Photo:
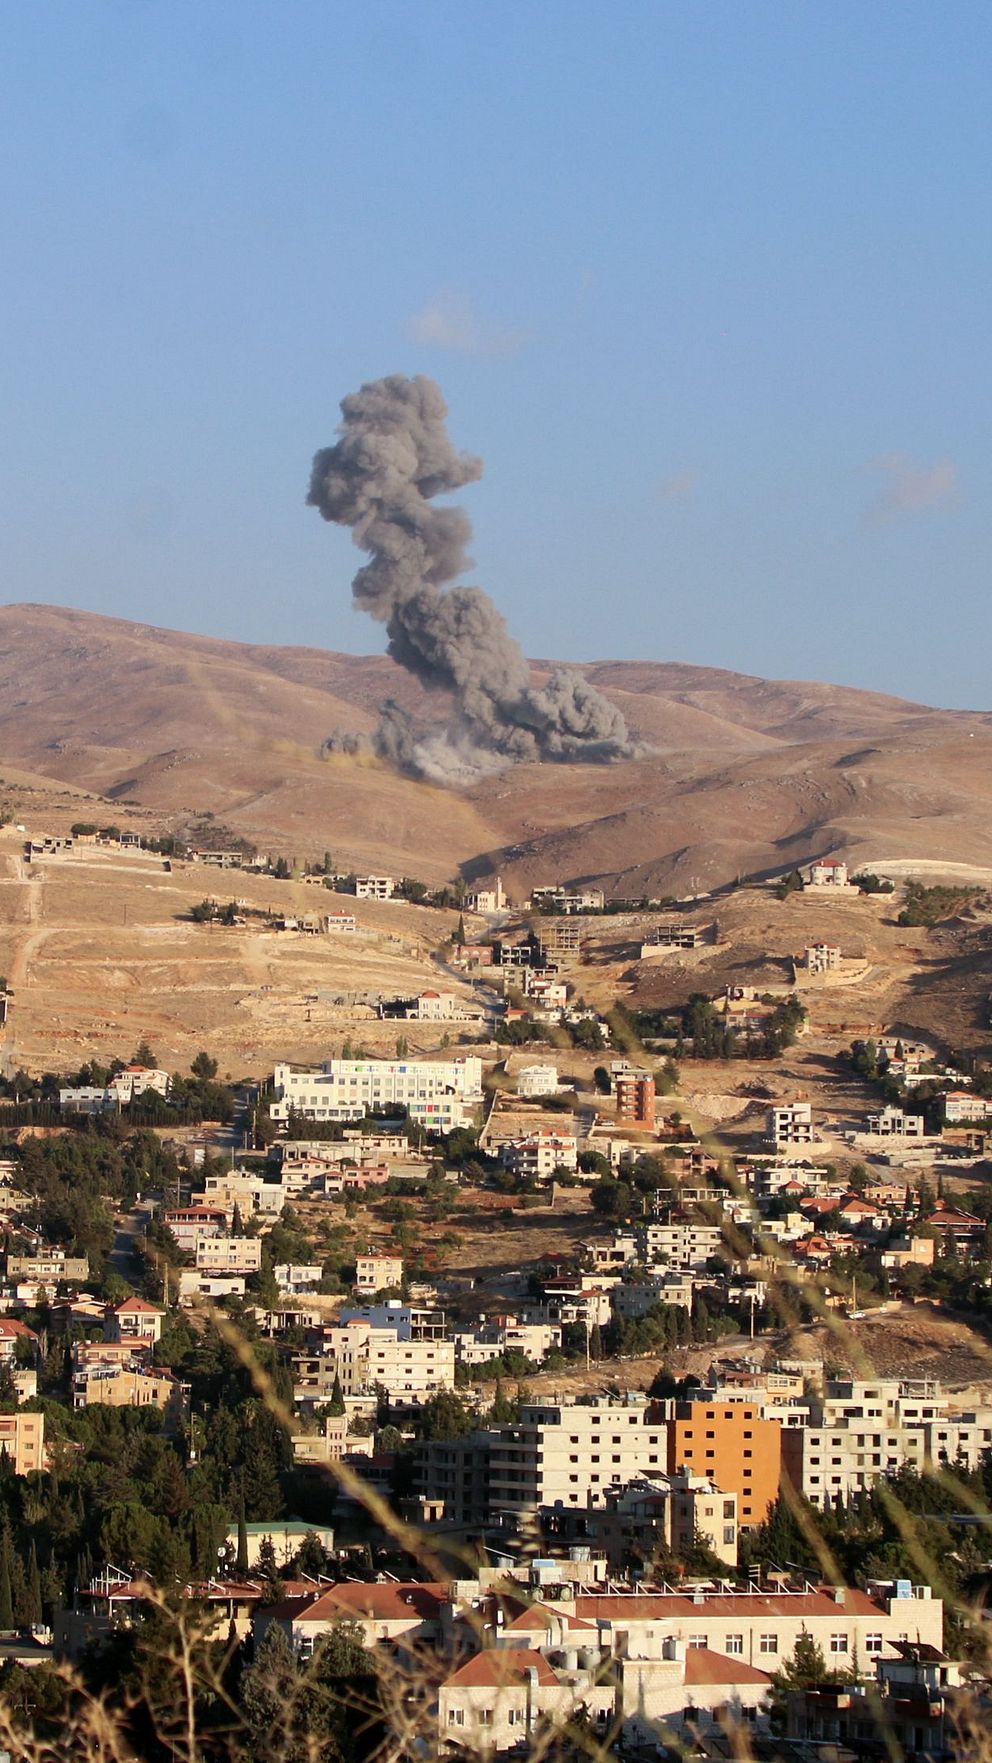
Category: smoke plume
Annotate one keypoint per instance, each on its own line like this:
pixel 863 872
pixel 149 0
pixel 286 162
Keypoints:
pixel 393 457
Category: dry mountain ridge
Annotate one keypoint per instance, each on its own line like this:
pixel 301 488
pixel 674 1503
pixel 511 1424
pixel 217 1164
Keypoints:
pixel 745 775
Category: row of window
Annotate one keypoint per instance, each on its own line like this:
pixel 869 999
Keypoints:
pixel 733 1644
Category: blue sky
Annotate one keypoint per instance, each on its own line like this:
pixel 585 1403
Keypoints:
pixel 706 284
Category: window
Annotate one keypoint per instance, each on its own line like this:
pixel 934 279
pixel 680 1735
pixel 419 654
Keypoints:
pixel 734 1645
pixel 697 1640
pixel 728 1508
pixel 838 1643
pixel 485 1717
pixel 768 1643
pixel 873 1643
pixel 456 1717
pixel 729 1533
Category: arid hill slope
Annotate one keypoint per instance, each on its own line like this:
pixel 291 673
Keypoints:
pixel 745 775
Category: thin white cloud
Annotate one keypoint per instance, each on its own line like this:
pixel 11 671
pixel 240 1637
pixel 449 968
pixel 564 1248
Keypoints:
pixel 680 487
pixel 909 487
pixel 449 321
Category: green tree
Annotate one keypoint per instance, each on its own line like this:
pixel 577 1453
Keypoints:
pixel 6 1588
pixel 241 1561
pixel 336 1403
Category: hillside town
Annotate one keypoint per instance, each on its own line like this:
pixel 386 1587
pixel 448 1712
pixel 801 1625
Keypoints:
pixel 566 1406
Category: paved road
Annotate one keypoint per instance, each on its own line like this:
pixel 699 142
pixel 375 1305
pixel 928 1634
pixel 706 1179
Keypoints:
pixel 124 1257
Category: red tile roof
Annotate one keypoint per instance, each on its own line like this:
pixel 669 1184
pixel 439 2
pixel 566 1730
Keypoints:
pixel 497 1666
pixel 389 1601
pixel 704 1666
pixel 539 1616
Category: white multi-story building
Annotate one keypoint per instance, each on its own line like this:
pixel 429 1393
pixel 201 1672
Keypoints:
pixel 960 1105
pixel 486 899
pixel 136 1080
pixel 682 1242
pixel 437 1094
pixel 539 1154
pixel 537 1080
pixel 229 1254
pixel 365 1359
pixel 863 1429
pixel 569 1454
pixel 830 873
pixel 191 1225
pixel 374 887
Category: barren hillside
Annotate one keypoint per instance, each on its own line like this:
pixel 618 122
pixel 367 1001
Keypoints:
pixel 743 775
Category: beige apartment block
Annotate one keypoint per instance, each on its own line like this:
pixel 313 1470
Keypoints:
pixel 377 1273
pixel 22 1436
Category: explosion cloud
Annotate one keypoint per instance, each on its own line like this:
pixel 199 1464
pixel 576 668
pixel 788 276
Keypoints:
pixel 393 457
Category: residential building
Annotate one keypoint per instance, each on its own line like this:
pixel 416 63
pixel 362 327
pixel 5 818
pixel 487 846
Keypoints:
pixel 537 1080
pixel 202 1283
pixel 191 1225
pixel 670 1513
pixel 540 1154
pixel 374 887
pixel 130 1385
pixel 87 1099
pixel 410 1322
pixel 497 1699
pixel 682 1241
pixel 731 1444
pixel 414 1615
pixel 18 1342
pixel 377 1273
pixel 961 1105
pixel 757 1625
pixel 340 921
pixel 436 1094
pixel 635 1098
pixel 136 1080
pixel 134 1319
pixel 568 900
pixel 673 936
pixel 22 1439
pixel 569 1454
pixel 486 899
pixel 292 1277
pixel 48 1267
pixel 862 1429
pixel 828 873
pixel 892 1122
pixel 821 958
pixel 433 1006
pixel 229 1254
pixel 250 1193
pixel 791 1123
pixel 286 1536
pixel 363 1358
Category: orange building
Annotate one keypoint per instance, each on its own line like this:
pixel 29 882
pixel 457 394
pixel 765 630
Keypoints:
pixel 734 1447
pixel 635 1100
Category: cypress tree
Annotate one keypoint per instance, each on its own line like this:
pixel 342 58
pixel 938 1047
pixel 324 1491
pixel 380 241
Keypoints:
pixel 34 1600
pixel 6 1591
pixel 241 1559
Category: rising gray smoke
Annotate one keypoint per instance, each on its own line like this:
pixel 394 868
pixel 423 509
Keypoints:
pixel 394 455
